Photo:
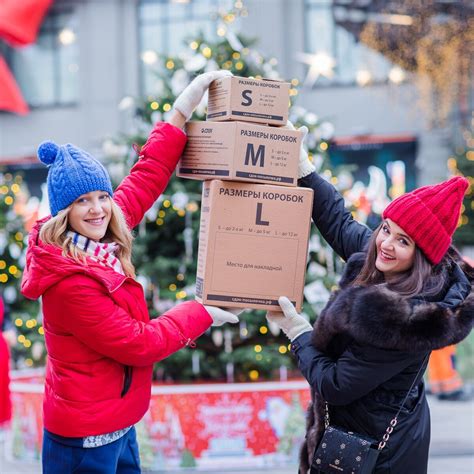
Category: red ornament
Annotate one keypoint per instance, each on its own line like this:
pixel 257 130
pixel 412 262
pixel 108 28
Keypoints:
pixel 19 25
pixel 10 94
pixel 20 20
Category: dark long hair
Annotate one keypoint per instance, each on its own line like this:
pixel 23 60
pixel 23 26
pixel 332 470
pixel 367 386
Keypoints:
pixel 422 278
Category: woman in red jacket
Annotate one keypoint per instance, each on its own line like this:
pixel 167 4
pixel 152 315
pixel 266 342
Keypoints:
pixel 100 340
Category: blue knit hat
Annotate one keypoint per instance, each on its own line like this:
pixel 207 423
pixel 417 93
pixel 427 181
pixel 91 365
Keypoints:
pixel 72 172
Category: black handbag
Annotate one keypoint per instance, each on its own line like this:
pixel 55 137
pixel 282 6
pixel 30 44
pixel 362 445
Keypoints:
pixel 343 451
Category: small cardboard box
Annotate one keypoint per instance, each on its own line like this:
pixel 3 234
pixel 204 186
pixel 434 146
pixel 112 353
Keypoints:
pixel 251 100
pixel 253 244
pixel 241 151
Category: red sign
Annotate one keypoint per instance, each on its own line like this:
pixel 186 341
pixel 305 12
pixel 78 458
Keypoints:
pixel 208 425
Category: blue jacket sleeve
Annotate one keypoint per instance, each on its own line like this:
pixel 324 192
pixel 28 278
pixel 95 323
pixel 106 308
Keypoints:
pixel 358 371
pixel 336 224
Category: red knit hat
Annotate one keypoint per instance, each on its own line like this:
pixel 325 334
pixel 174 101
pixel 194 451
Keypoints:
pixel 429 215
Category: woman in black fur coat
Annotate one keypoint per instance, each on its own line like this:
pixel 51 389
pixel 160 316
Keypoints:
pixel 404 293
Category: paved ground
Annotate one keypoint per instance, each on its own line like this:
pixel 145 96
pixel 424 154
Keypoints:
pixel 452 444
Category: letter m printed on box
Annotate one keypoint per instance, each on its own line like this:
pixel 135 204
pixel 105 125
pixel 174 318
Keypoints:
pixel 251 156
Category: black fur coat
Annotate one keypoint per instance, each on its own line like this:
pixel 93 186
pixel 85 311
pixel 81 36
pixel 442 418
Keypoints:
pixel 365 351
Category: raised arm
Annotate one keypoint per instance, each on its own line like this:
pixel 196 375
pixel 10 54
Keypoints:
pixel 336 224
pixel 160 154
pixel 345 235
pixel 150 175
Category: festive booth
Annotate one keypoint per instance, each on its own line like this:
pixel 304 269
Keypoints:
pixel 202 425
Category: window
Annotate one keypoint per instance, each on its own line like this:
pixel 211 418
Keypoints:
pixel 354 62
pixel 166 25
pixel 382 167
pixel 384 152
pixel 48 71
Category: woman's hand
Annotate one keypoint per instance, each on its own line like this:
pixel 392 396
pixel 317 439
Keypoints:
pixel 221 316
pixel 290 322
pixel 189 99
pixel 305 166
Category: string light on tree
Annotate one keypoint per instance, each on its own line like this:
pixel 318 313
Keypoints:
pixel 149 57
pixel 363 77
pixel 463 164
pixel 14 213
pixel 428 39
pixel 396 75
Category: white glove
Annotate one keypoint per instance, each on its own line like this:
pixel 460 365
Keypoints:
pixel 305 166
pixel 220 316
pixel 189 99
pixel 290 322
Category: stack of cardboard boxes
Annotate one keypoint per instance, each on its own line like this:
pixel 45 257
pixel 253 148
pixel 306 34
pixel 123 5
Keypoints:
pixel 255 222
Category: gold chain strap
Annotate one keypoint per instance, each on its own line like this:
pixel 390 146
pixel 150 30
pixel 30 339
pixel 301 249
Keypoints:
pixel 326 415
pixel 394 421
pixel 387 434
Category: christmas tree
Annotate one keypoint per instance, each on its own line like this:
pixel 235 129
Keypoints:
pixel 463 163
pixel 166 245
pixel 293 434
pixel 29 350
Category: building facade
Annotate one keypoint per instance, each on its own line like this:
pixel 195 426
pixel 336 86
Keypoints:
pixel 90 54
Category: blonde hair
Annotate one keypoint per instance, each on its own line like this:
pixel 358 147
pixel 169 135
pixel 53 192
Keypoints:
pixel 54 232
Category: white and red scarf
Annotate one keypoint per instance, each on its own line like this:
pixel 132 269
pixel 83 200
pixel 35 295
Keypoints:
pixel 103 253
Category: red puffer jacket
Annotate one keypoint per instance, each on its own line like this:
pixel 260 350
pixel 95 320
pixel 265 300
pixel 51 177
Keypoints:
pixel 101 343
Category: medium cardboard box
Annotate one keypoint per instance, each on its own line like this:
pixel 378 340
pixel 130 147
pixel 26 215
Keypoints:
pixel 251 100
pixel 241 151
pixel 253 244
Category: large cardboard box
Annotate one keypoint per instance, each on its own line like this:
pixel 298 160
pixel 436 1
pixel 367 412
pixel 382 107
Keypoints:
pixel 253 244
pixel 253 100
pixel 241 151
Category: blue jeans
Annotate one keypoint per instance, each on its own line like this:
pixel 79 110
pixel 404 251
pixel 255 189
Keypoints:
pixel 119 457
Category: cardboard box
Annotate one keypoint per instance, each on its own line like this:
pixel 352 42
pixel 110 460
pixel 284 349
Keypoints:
pixel 251 100
pixel 241 151
pixel 253 244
